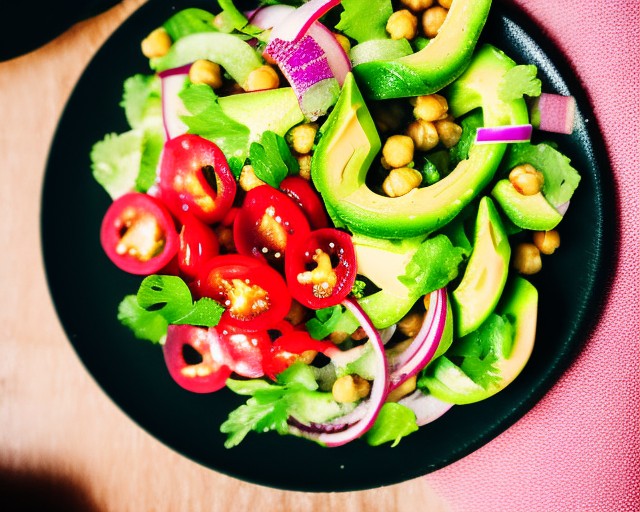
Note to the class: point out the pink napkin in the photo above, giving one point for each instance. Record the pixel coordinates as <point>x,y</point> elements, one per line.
<point>579,448</point>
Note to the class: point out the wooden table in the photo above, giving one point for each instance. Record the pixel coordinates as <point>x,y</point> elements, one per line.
<point>63,444</point>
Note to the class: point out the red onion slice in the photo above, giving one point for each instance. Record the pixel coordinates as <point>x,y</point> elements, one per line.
<point>296,24</point>
<point>172,81</point>
<point>339,432</point>
<point>504,134</point>
<point>417,355</point>
<point>554,113</point>
<point>562,209</point>
<point>427,408</point>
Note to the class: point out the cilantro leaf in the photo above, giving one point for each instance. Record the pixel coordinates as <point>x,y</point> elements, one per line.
<point>433,266</point>
<point>325,322</point>
<point>146,325</point>
<point>518,81</point>
<point>375,12</point>
<point>205,312</point>
<point>209,121</point>
<point>271,159</point>
<point>460,151</point>
<point>560,178</point>
<point>394,422</point>
<point>358,289</point>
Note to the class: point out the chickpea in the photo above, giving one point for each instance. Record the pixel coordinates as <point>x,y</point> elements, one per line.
<point>297,313</point>
<point>526,179</point>
<point>350,388</point>
<point>398,150</point>
<point>156,44</point>
<point>401,181</point>
<point>248,179</point>
<point>424,134</point>
<point>432,20</point>
<point>206,72</point>
<point>304,162</point>
<point>417,5</point>
<point>225,238</point>
<point>307,356</point>
<point>302,137</point>
<point>344,42</point>
<point>526,259</point>
<point>546,241</point>
<point>262,78</point>
<point>445,3</point>
<point>410,324</point>
<point>408,386</point>
<point>432,107</point>
<point>449,132</point>
<point>402,25</point>
<point>338,337</point>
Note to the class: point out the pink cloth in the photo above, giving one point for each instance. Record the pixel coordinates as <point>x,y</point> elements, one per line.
<point>579,448</point>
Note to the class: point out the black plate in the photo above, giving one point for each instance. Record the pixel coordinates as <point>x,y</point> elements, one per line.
<point>86,289</point>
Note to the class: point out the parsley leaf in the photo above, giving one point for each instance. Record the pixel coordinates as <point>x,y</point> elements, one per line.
<point>271,159</point>
<point>146,325</point>
<point>115,162</point>
<point>394,422</point>
<point>375,12</point>
<point>518,81</point>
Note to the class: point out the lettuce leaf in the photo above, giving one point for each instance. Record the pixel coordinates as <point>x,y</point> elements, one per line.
<point>518,81</point>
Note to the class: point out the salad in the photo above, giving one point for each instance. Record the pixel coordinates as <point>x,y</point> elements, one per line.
<point>335,219</point>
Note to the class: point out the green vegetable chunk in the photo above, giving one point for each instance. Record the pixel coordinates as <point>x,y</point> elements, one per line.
<point>394,422</point>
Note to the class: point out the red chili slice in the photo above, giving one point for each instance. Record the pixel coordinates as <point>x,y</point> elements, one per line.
<point>287,349</point>
<point>267,223</point>
<point>303,193</point>
<point>138,234</point>
<point>242,350</point>
<point>196,371</point>
<point>198,244</point>
<point>321,268</point>
<point>195,178</point>
<point>255,295</point>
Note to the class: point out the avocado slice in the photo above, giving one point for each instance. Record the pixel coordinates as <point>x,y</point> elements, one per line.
<point>527,212</point>
<point>349,142</point>
<point>486,274</point>
<point>446,381</point>
<point>433,67</point>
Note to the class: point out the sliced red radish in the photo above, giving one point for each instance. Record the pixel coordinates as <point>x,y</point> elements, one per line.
<point>554,113</point>
<point>295,25</point>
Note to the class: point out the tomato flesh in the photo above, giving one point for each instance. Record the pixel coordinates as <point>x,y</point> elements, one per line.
<point>267,223</point>
<point>321,268</point>
<point>195,178</point>
<point>138,234</point>
<point>205,376</point>
<point>255,295</point>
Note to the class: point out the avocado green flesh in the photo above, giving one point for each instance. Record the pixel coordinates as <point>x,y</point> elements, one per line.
<point>527,212</point>
<point>433,67</point>
<point>447,382</point>
<point>350,142</point>
<point>486,274</point>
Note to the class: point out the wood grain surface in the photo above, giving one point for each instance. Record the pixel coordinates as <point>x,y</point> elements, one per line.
<point>63,444</point>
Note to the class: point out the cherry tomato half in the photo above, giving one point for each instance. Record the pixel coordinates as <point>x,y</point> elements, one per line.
<point>198,244</point>
<point>138,234</point>
<point>267,222</point>
<point>202,373</point>
<point>321,268</point>
<point>195,178</point>
<point>305,196</point>
<point>255,295</point>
